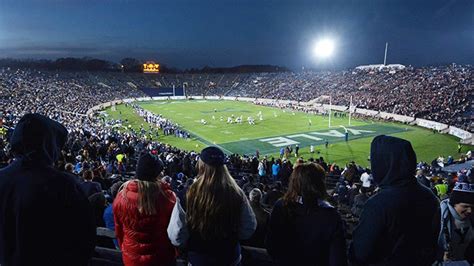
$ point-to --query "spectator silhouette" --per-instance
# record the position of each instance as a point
(218, 215)
(304, 229)
(262, 216)
(273, 195)
(142, 211)
(108, 216)
(400, 224)
(88, 186)
(45, 218)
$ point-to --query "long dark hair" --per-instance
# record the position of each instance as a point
(213, 203)
(308, 182)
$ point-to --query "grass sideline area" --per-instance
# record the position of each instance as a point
(282, 127)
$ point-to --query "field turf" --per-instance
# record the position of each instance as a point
(283, 127)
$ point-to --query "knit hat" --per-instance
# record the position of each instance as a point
(149, 167)
(462, 193)
(213, 156)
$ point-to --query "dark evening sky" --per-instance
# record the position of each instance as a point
(192, 33)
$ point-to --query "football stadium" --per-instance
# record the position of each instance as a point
(231, 134)
(207, 123)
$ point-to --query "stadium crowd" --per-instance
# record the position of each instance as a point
(186, 204)
(442, 94)
(59, 183)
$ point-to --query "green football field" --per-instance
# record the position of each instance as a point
(279, 128)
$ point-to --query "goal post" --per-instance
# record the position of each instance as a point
(335, 113)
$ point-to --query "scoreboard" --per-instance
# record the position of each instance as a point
(151, 67)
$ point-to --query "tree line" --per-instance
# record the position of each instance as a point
(128, 64)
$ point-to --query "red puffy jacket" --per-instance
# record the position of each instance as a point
(142, 238)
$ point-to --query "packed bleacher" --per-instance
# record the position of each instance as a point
(48, 177)
(107, 168)
(442, 94)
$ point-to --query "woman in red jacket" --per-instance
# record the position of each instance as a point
(142, 211)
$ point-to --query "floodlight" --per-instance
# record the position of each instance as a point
(324, 48)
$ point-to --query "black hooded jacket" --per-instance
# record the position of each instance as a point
(400, 224)
(45, 219)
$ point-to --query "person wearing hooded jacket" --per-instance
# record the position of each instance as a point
(400, 224)
(45, 218)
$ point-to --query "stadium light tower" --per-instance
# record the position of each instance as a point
(324, 48)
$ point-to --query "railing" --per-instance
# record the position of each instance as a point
(107, 256)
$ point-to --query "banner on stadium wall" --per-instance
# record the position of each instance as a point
(284, 102)
(160, 98)
(212, 97)
(178, 98)
(287, 102)
(430, 124)
(246, 99)
(162, 91)
(367, 112)
(462, 134)
(142, 99)
(267, 101)
(340, 108)
(399, 118)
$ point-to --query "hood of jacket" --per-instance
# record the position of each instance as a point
(38, 138)
(393, 161)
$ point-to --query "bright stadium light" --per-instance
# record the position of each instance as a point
(324, 48)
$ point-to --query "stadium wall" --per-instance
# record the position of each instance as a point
(399, 118)
(367, 112)
(465, 136)
(431, 124)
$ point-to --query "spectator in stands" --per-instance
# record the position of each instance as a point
(360, 200)
(251, 184)
(456, 238)
(218, 215)
(441, 189)
(108, 216)
(366, 179)
(275, 169)
(181, 193)
(142, 211)
(88, 186)
(304, 229)
(69, 168)
(98, 203)
(99, 177)
(421, 177)
(262, 172)
(285, 172)
(273, 195)
(262, 215)
(45, 218)
(399, 225)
